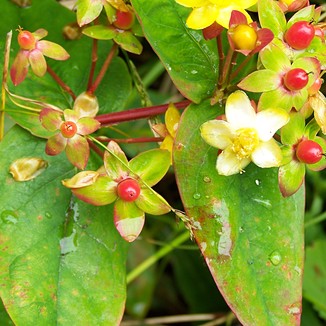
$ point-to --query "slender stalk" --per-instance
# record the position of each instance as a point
(135, 114)
(61, 82)
(95, 148)
(93, 65)
(221, 57)
(241, 66)
(132, 140)
(227, 66)
(103, 70)
(316, 220)
(157, 256)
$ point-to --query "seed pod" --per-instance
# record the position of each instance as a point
(27, 168)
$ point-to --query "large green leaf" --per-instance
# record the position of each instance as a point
(190, 60)
(62, 261)
(251, 237)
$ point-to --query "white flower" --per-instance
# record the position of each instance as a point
(245, 136)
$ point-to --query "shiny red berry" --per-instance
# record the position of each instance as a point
(309, 152)
(68, 129)
(124, 19)
(295, 79)
(128, 189)
(300, 35)
(26, 40)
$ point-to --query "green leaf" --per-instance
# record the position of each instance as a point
(100, 32)
(293, 131)
(251, 237)
(260, 81)
(151, 166)
(62, 262)
(306, 13)
(152, 203)
(189, 59)
(271, 16)
(129, 42)
(273, 58)
(88, 10)
(314, 281)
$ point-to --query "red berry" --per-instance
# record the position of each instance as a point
(124, 19)
(26, 40)
(128, 189)
(295, 79)
(300, 35)
(309, 152)
(68, 129)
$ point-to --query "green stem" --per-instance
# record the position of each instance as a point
(157, 256)
(316, 220)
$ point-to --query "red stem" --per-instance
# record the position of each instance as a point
(221, 57)
(135, 114)
(61, 82)
(103, 70)
(94, 60)
(132, 140)
(95, 148)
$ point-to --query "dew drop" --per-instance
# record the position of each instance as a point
(250, 262)
(196, 195)
(9, 217)
(241, 229)
(69, 244)
(48, 215)
(258, 182)
(207, 179)
(275, 258)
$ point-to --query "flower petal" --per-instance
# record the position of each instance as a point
(86, 126)
(38, 63)
(269, 121)
(86, 105)
(51, 119)
(192, 3)
(267, 154)
(77, 151)
(52, 50)
(172, 118)
(224, 14)
(152, 203)
(217, 133)
(128, 219)
(19, 67)
(40, 33)
(55, 144)
(202, 17)
(239, 111)
(101, 192)
(228, 163)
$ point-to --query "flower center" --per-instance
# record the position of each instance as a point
(68, 129)
(245, 142)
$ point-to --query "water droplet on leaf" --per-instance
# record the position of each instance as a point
(48, 215)
(275, 258)
(207, 179)
(196, 195)
(9, 217)
(69, 244)
(258, 182)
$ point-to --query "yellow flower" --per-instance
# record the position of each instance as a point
(206, 12)
(246, 135)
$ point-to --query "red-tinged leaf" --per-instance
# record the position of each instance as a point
(55, 145)
(87, 125)
(19, 67)
(77, 151)
(100, 193)
(51, 119)
(38, 63)
(128, 219)
(250, 236)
